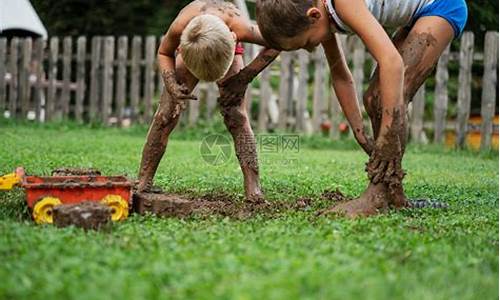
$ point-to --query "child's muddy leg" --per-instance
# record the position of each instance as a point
(238, 123)
(420, 50)
(164, 121)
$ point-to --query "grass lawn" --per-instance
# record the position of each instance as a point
(425, 254)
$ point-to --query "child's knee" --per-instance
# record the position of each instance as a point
(169, 110)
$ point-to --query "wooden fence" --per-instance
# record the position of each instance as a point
(115, 81)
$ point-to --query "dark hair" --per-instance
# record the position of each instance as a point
(282, 19)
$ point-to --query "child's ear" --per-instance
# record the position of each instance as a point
(314, 14)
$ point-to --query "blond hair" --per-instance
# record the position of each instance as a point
(207, 47)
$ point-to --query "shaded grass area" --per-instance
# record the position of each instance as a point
(426, 254)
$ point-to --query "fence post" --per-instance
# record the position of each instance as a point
(194, 107)
(39, 46)
(121, 78)
(65, 94)
(265, 98)
(490, 80)
(319, 88)
(358, 61)
(464, 90)
(95, 78)
(335, 110)
(81, 53)
(417, 115)
(285, 92)
(441, 96)
(107, 80)
(135, 74)
(302, 94)
(3, 71)
(149, 73)
(212, 94)
(24, 74)
(13, 59)
(159, 78)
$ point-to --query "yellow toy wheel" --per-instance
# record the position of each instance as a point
(42, 211)
(118, 205)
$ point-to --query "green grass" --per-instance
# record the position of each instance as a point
(427, 254)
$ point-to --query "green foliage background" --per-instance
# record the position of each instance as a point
(140, 17)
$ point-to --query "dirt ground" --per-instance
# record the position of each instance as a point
(174, 205)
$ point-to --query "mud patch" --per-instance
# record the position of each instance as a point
(181, 206)
(166, 205)
(75, 172)
(334, 196)
(303, 203)
(87, 215)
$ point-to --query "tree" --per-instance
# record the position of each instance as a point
(97, 17)
(141, 17)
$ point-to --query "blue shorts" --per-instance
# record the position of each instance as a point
(453, 11)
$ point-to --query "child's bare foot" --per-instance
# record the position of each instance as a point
(374, 200)
(397, 197)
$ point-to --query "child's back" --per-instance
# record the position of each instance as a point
(389, 13)
(392, 14)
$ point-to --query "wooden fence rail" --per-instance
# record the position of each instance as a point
(115, 81)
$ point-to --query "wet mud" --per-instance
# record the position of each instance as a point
(224, 205)
(219, 204)
(75, 172)
(333, 195)
(87, 215)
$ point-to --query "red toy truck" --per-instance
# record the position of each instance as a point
(43, 193)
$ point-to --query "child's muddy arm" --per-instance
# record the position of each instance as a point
(166, 59)
(385, 162)
(391, 68)
(343, 83)
(233, 88)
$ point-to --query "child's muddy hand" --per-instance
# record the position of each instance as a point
(176, 90)
(385, 162)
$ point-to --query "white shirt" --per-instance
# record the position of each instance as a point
(390, 13)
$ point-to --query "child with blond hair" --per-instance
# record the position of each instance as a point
(423, 29)
(203, 43)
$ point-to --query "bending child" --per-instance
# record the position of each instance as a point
(203, 43)
(423, 29)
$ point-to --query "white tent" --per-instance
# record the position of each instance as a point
(20, 15)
